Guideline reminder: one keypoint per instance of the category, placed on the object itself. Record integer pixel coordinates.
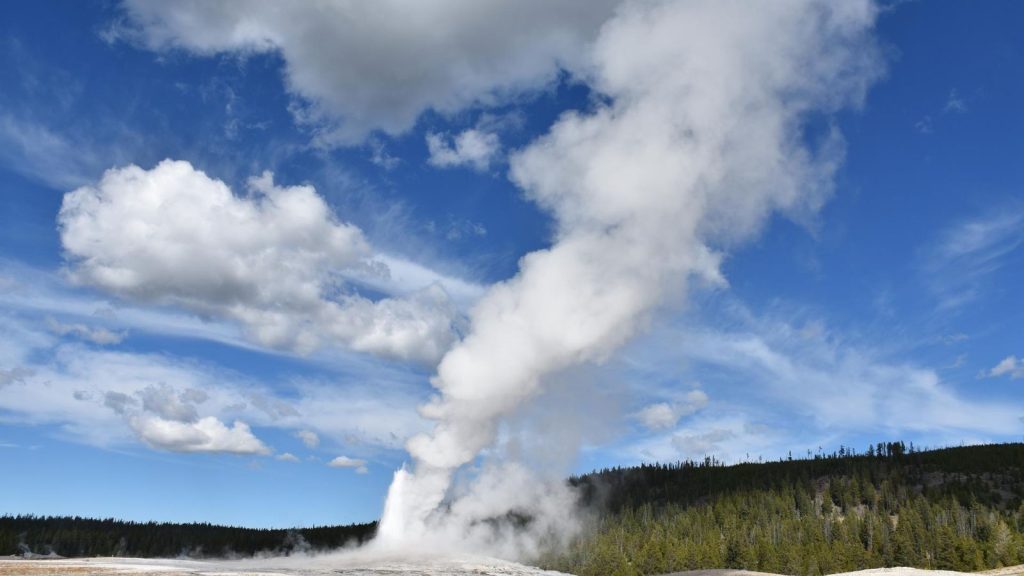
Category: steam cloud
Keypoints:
(710, 116)
(704, 135)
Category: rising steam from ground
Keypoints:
(715, 116)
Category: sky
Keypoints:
(237, 240)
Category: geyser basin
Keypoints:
(355, 563)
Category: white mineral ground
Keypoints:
(355, 564)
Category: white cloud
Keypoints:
(106, 398)
(955, 103)
(1009, 366)
(777, 389)
(381, 157)
(272, 261)
(166, 402)
(376, 409)
(925, 125)
(704, 443)
(13, 375)
(100, 336)
(730, 437)
(697, 136)
(168, 419)
(471, 148)
(309, 438)
(403, 277)
(658, 416)
(459, 229)
(398, 59)
(346, 462)
(43, 293)
(968, 253)
(824, 384)
(204, 435)
(287, 457)
(665, 415)
(42, 154)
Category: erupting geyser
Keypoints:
(703, 133)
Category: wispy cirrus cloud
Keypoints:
(103, 397)
(774, 384)
(45, 155)
(96, 335)
(963, 258)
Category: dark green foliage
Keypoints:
(954, 509)
(74, 536)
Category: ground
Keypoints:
(352, 565)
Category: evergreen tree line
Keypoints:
(951, 509)
(83, 537)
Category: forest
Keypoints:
(889, 505)
(83, 537)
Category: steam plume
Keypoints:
(706, 131)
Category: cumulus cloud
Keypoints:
(471, 148)
(100, 336)
(119, 402)
(700, 137)
(309, 438)
(357, 68)
(167, 419)
(272, 261)
(204, 435)
(665, 415)
(1009, 366)
(166, 402)
(346, 462)
(287, 457)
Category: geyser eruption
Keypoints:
(712, 117)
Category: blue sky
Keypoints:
(139, 380)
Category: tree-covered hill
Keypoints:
(955, 508)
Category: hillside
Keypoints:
(951, 509)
